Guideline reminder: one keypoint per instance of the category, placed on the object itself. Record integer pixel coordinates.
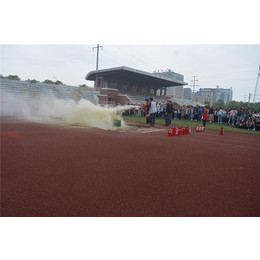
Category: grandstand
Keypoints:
(38, 91)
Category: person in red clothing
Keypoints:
(146, 112)
(205, 116)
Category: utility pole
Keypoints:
(97, 60)
(194, 82)
(97, 54)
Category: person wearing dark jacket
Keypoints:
(168, 113)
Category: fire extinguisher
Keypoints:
(174, 131)
(180, 131)
(197, 128)
(170, 132)
(221, 130)
(202, 128)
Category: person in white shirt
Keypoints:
(152, 112)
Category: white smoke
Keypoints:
(83, 113)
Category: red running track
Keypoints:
(53, 170)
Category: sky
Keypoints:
(226, 65)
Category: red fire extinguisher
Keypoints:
(170, 132)
(180, 131)
(197, 128)
(221, 130)
(174, 131)
(186, 130)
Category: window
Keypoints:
(124, 87)
(152, 91)
(113, 85)
(143, 90)
(135, 89)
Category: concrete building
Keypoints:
(212, 95)
(187, 93)
(172, 91)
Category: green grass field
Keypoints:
(211, 126)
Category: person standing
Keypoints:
(220, 113)
(168, 113)
(205, 116)
(146, 112)
(152, 111)
(211, 115)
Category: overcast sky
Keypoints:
(225, 65)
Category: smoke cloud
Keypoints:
(83, 113)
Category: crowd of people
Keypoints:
(243, 118)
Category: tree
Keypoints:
(219, 103)
(58, 82)
(32, 80)
(13, 77)
(48, 81)
(233, 104)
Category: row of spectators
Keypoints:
(238, 117)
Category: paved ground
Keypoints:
(60, 170)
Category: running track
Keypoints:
(50, 170)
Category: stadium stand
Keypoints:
(36, 91)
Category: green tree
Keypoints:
(254, 106)
(219, 103)
(58, 82)
(32, 80)
(48, 81)
(233, 104)
(13, 77)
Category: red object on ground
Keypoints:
(221, 130)
(180, 131)
(173, 131)
(170, 132)
(197, 128)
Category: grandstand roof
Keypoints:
(136, 76)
